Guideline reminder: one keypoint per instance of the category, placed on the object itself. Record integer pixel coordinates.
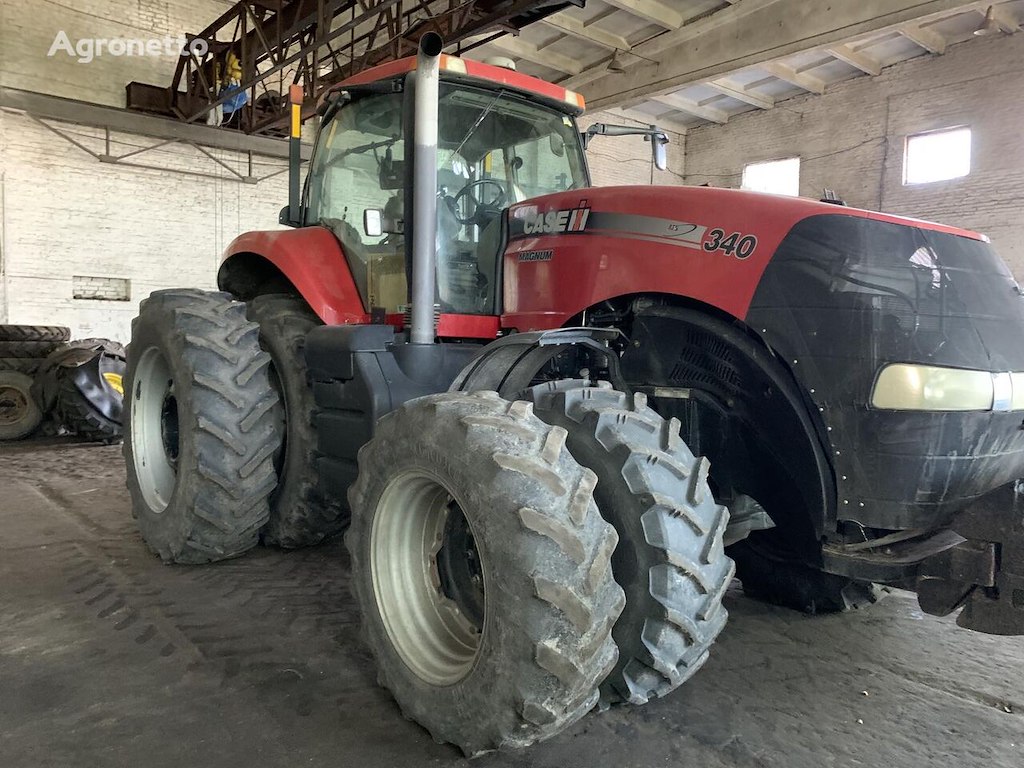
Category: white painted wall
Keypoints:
(63, 213)
(852, 140)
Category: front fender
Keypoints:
(310, 259)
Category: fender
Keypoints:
(310, 259)
(750, 415)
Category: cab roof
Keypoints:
(457, 67)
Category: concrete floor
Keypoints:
(108, 658)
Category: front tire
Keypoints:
(300, 515)
(670, 559)
(496, 632)
(202, 426)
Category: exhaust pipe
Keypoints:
(424, 190)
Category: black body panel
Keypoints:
(845, 296)
(360, 373)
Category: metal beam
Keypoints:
(747, 34)
(799, 79)
(703, 111)
(520, 49)
(928, 39)
(588, 32)
(654, 11)
(856, 59)
(47, 107)
(738, 92)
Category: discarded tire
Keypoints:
(52, 369)
(670, 559)
(299, 514)
(34, 333)
(768, 575)
(20, 415)
(90, 395)
(202, 426)
(482, 568)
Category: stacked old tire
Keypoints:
(23, 350)
(53, 385)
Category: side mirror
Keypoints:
(285, 218)
(373, 222)
(659, 149)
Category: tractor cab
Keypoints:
(497, 146)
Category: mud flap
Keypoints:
(985, 574)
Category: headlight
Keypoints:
(907, 387)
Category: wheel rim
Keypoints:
(13, 405)
(155, 434)
(432, 610)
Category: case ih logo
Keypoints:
(554, 222)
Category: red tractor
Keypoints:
(534, 401)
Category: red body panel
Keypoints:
(629, 240)
(647, 240)
(312, 259)
(453, 65)
(467, 326)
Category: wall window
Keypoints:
(937, 156)
(779, 177)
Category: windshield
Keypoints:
(494, 149)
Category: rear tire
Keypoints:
(202, 422)
(531, 661)
(20, 414)
(300, 515)
(670, 559)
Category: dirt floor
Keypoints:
(108, 658)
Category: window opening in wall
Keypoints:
(779, 177)
(101, 288)
(937, 156)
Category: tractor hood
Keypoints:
(709, 244)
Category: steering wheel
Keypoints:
(468, 192)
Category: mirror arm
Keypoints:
(652, 133)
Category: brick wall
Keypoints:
(852, 140)
(64, 214)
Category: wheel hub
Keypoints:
(458, 567)
(13, 405)
(169, 426)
